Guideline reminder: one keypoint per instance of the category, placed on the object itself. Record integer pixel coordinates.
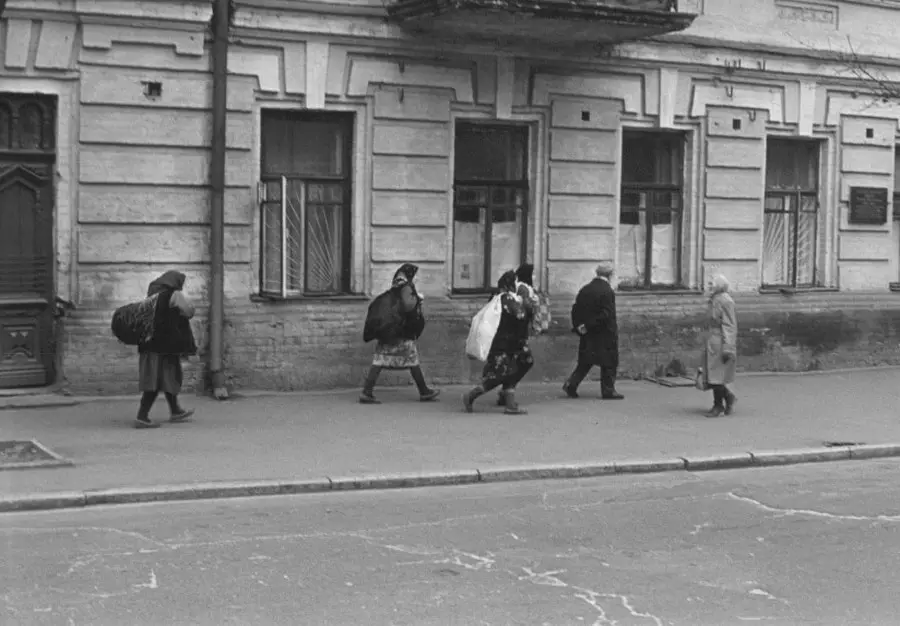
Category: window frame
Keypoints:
(347, 120)
(796, 195)
(659, 137)
(523, 185)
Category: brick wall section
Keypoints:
(295, 346)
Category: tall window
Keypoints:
(490, 203)
(895, 226)
(305, 203)
(650, 217)
(791, 213)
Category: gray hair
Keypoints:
(605, 270)
(720, 283)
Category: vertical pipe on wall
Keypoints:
(220, 23)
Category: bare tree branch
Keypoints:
(882, 88)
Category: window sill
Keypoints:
(658, 291)
(350, 297)
(473, 295)
(895, 287)
(789, 291)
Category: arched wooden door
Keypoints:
(27, 290)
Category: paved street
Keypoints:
(814, 544)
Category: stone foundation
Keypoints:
(298, 346)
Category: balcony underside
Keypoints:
(527, 21)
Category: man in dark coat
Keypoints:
(594, 320)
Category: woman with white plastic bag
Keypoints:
(484, 328)
(509, 358)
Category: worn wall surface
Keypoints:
(132, 199)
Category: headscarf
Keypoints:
(404, 276)
(525, 274)
(507, 282)
(720, 284)
(170, 280)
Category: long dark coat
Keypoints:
(595, 307)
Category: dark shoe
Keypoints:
(469, 399)
(367, 398)
(181, 416)
(570, 390)
(501, 398)
(716, 411)
(145, 423)
(512, 407)
(615, 395)
(730, 401)
(429, 395)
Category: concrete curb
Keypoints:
(244, 489)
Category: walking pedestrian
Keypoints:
(720, 354)
(509, 358)
(400, 351)
(159, 360)
(594, 321)
(525, 289)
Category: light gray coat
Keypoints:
(721, 339)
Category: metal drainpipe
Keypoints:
(220, 23)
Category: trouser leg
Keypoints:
(607, 381)
(147, 400)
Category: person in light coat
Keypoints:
(719, 359)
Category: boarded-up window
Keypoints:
(490, 203)
(650, 217)
(305, 203)
(790, 225)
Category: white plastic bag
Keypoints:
(484, 328)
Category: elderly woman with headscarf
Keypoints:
(509, 358)
(159, 362)
(720, 356)
(399, 351)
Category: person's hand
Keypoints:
(727, 357)
(582, 330)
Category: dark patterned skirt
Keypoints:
(506, 367)
(160, 372)
(397, 355)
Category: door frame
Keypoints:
(65, 184)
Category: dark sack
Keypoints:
(415, 321)
(132, 324)
(383, 319)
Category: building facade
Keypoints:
(752, 139)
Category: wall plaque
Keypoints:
(868, 205)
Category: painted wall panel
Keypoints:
(733, 214)
(410, 173)
(723, 245)
(104, 285)
(415, 104)
(161, 127)
(136, 55)
(413, 140)
(409, 244)
(627, 87)
(595, 179)
(158, 244)
(594, 211)
(581, 145)
(867, 160)
(581, 244)
(365, 71)
(743, 275)
(55, 49)
(856, 131)
(431, 280)
(161, 166)
(867, 246)
(403, 208)
(567, 277)
(864, 180)
(585, 113)
(98, 204)
(734, 183)
(864, 275)
(735, 122)
(734, 152)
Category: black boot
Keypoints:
(570, 389)
(512, 407)
(718, 408)
(426, 394)
(730, 401)
(143, 417)
(470, 397)
(501, 397)
(368, 396)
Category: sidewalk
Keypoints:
(318, 435)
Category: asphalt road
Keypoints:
(815, 544)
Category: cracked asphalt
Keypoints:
(814, 544)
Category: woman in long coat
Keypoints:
(720, 356)
(401, 352)
(159, 361)
(509, 358)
